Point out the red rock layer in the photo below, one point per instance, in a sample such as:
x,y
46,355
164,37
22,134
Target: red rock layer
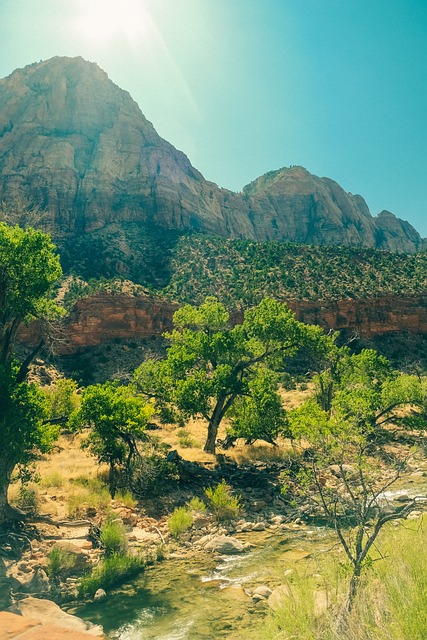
x,y
105,316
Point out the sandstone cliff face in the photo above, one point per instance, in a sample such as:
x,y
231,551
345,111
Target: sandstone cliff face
x,y
74,143
105,316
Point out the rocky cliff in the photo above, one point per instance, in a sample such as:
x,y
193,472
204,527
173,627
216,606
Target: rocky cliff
x,y
104,316
78,146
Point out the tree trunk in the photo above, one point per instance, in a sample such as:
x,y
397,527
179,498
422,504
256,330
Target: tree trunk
x,y
210,446
5,475
214,422
353,588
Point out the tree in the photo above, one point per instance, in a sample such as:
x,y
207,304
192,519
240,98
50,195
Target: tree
x,y
29,267
210,365
365,388
343,440
117,418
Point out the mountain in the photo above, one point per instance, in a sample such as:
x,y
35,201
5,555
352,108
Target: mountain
x,y
78,147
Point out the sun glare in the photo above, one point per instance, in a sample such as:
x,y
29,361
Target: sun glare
x,y
106,19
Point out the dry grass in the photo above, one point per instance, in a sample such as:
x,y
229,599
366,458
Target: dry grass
x,y
70,478
57,491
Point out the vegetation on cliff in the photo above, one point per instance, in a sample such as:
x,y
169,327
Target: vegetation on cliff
x,y
244,272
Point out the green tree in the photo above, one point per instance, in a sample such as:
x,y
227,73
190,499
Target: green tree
x,y
365,389
210,364
343,439
28,269
117,418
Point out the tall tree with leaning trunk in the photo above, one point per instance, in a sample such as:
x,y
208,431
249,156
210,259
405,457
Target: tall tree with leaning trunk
x,y
29,267
210,364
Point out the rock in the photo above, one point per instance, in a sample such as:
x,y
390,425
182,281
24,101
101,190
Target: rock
x,y
259,526
75,143
237,592
225,545
100,594
46,611
277,519
37,584
201,542
200,522
403,497
258,505
81,559
262,591
279,596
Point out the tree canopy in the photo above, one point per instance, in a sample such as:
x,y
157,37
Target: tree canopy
x,y
117,418
29,267
210,363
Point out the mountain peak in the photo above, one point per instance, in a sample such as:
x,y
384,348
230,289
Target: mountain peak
x,y
77,146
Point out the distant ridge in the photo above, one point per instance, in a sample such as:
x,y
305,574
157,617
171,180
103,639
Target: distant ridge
x,y
78,147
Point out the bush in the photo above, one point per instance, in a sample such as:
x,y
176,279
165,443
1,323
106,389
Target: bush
x,y
28,499
60,562
196,504
151,472
180,521
113,535
110,572
186,441
126,498
224,504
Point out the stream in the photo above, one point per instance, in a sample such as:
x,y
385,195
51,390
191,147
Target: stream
x,y
203,595
197,595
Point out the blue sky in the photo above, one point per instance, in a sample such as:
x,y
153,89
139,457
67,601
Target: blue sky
x,y
246,86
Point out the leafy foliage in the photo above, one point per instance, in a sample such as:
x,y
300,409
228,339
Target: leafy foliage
x,y
118,419
225,505
28,270
210,365
244,272
180,521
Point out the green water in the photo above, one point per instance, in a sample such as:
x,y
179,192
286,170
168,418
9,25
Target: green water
x,y
203,597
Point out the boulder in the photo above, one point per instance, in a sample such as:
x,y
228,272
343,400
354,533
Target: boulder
x,y
81,559
262,592
225,545
48,612
278,596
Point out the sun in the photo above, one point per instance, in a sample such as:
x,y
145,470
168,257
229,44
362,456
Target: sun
x,y
106,19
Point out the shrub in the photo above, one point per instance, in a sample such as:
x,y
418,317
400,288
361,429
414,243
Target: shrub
x,y
110,572
60,562
151,472
126,498
113,535
180,521
225,505
196,504
186,441
28,499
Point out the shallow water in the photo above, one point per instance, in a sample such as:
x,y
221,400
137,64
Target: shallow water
x,y
203,596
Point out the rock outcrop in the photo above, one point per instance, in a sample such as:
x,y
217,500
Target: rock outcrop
x,y
105,316
78,146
